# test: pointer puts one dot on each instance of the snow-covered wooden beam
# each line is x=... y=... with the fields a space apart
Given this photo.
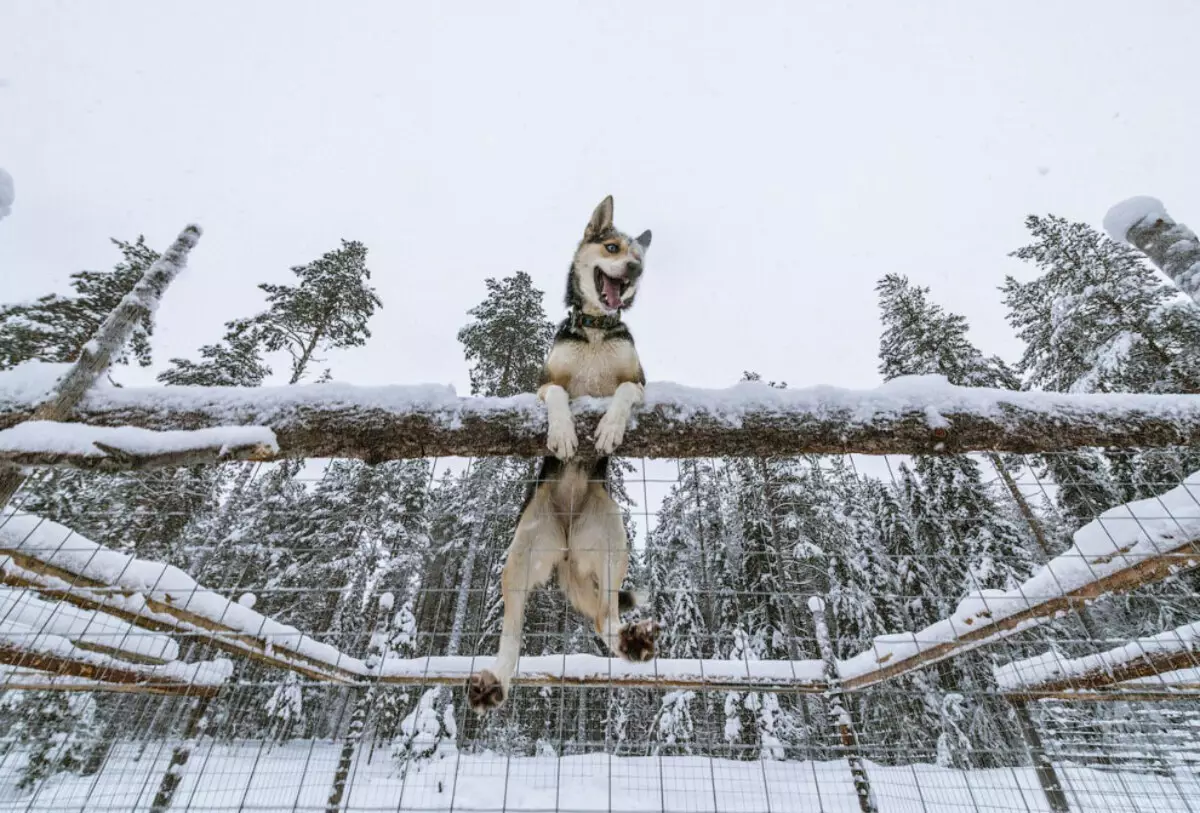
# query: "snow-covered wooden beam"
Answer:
x=591 y=670
x=57 y=655
x=126 y=448
x=32 y=680
x=1124 y=548
x=60 y=565
x=1156 y=655
x=915 y=415
x=21 y=610
x=1173 y=247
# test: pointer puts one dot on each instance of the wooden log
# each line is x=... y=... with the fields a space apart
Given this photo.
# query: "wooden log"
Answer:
x=106 y=672
x=59 y=584
x=1179 y=558
x=110 y=337
x=115 y=459
x=386 y=423
x=32 y=680
x=1170 y=245
x=1107 y=669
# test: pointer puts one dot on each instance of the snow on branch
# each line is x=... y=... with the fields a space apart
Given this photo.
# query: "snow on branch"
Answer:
x=123 y=448
x=61 y=565
x=1125 y=547
x=22 y=610
x=1157 y=655
x=913 y=415
x=1144 y=223
x=592 y=670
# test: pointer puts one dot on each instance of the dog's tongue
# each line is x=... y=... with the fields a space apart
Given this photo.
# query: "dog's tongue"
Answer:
x=612 y=292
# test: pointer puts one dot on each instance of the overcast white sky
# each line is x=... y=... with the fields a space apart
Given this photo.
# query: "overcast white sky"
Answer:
x=785 y=156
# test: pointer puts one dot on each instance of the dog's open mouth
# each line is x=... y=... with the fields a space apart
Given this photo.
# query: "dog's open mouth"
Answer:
x=610 y=289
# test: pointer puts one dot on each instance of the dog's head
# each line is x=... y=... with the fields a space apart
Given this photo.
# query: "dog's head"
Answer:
x=608 y=265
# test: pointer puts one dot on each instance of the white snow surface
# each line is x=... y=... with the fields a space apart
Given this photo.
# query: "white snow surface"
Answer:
x=1053 y=666
x=1118 y=539
x=593 y=667
x=22 y=610
x=1128 y=213
x=55 y=544
x=298 y=775
x=7 y=193
x=276 y=407
x=52 y=437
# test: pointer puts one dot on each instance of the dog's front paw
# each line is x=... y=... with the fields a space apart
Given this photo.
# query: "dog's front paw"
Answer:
x=610 y=432
x=561 y=439
x=635 y=642
x=484 y=692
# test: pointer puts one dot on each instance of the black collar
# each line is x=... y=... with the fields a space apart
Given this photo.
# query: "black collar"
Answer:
x=579 y=319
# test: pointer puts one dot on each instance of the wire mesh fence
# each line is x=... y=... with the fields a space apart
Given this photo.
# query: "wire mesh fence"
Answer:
x=297 y=636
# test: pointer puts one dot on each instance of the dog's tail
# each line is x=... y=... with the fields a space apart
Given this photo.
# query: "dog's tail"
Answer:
x=628 y=599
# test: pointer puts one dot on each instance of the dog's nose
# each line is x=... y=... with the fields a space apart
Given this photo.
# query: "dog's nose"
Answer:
x=633 y=268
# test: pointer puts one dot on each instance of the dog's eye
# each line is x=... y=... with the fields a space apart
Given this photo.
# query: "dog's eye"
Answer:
x=611 y=248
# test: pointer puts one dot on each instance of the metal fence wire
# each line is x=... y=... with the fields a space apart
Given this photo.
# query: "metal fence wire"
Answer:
x=975 y=632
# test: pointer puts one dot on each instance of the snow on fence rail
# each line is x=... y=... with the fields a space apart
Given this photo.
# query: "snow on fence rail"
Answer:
x=59 y=564
x=1125 y=547
x=31 y=649
x=122 y=448
x=913 y=415
x=1157 y=655
x=592 y=670
x=86 y=629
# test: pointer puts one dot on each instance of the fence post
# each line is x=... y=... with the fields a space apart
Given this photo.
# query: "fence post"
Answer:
x=362 y=704
x=197 y=724
x=837 y=710
x=97 y=354
x=1042 y=765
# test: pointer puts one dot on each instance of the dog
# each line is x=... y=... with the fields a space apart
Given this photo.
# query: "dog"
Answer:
x=570 y=524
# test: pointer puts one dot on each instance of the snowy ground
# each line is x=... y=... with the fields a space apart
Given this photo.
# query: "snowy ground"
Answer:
x=297 y=777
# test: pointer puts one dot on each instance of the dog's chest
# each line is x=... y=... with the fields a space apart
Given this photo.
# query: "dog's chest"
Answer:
x=595 y=367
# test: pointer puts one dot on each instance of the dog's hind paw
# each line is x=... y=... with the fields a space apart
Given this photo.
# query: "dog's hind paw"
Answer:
x=484 y=692
x=635 y=642
x=561 y=440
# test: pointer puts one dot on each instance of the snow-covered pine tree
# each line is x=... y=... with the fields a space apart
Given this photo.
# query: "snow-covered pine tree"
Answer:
x=1100 y=319
x=55 y=327
x=57 y=731
x=474 y=514
x=327 y=309
x=969 y=541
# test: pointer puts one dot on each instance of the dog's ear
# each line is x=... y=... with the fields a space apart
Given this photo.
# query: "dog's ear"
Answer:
x=643 y=239
x=602 y=220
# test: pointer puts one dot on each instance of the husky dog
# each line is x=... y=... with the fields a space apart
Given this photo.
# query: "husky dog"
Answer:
x=569 y=523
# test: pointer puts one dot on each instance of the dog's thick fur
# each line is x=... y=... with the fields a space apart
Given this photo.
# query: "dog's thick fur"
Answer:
x=570 y=524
